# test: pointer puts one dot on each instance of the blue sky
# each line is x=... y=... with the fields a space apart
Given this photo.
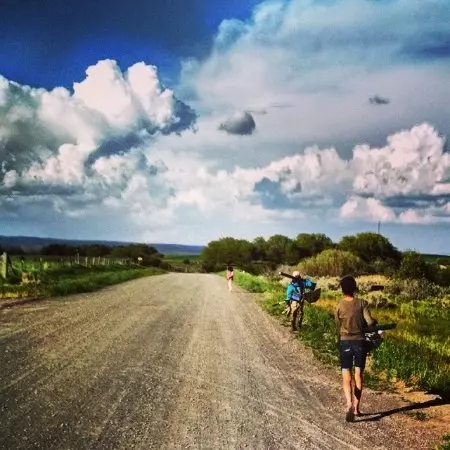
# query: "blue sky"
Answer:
x=187 y=120
x=49 y=43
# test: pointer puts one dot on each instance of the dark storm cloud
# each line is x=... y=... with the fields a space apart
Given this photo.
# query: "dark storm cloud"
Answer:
x=241 y=123
x=416 y=201
x=378 y=100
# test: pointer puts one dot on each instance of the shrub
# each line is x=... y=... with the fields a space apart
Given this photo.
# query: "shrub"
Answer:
x=443 y=261
x=414 y=290
x=208 y=266
x=441 y=276
x=413 y=266
x=251 y=283
x=335 y=263
x=386 y=267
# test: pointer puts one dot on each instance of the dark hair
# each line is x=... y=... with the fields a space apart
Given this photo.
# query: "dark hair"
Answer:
x=230 y=268
x=348 y=285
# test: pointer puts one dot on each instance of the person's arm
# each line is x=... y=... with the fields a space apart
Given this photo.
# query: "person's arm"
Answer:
x=367 y=315
x=337 y=323
x=288 y=292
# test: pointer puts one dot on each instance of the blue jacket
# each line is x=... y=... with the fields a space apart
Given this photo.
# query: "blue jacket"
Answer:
x=296 y=288
x=294 y=291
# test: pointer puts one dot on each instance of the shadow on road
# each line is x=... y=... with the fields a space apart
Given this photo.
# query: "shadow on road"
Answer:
x=379 y=415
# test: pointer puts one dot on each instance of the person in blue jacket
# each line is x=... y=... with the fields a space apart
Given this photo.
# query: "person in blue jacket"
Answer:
x=295 y=298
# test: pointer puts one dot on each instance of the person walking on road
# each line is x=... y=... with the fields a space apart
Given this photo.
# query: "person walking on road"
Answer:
x=352 y=315
x=230 y=277
x=295 y=301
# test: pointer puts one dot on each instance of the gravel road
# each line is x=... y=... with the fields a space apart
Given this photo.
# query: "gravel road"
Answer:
x=174 y=362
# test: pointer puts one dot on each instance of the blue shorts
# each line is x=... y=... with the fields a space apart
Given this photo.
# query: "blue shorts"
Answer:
x=353 y=353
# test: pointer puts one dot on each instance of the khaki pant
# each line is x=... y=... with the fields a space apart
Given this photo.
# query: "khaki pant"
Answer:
x=297 y=314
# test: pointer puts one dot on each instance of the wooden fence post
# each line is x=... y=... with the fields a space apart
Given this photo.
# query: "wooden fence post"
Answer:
x=4 y=265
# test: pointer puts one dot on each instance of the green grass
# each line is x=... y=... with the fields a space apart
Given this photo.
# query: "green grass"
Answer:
x=181 y=257
x=445 y=443
x=318 y=325
x=418 y=352
x=66 y=280
x=91 y=280
x=184 y=263
x=256 y=284
x=37 y=263
x=417 y=415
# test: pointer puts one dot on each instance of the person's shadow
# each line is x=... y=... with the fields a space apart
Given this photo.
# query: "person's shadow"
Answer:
x=379 y=415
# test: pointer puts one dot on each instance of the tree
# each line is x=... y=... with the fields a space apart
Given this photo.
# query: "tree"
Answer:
x=259 y=245
x=58 y=250
x=293 y=254
x=15 y=250
x=225 y=251
x=278 y=247
x=370 y=247
x=332 y=262
x=413 y=266
x=313 y=243
x=94 y=250
x=149 y=254
x=441 y=276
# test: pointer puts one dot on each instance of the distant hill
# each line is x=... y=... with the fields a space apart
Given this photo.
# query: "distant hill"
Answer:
x=433 y=258
x=34 y=244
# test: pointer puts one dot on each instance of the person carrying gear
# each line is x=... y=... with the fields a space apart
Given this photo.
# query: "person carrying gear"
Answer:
x=294 y=299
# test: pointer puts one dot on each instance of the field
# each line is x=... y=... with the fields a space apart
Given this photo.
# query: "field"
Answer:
x=38 y=276
x=417 y=353
x=184 y=263
x=434 y=258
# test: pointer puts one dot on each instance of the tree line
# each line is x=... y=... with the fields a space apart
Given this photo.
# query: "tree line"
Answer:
x=147 y=255
x=279 y=249
x=317 y=255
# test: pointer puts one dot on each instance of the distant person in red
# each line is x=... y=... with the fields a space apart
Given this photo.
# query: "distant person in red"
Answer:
x=230 y=277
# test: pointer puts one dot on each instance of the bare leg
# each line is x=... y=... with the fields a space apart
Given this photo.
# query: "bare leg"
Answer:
x=230 y=285
x=347 y=385
x=359 y=381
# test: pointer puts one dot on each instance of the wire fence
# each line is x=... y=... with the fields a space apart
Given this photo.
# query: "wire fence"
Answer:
x=23 y=265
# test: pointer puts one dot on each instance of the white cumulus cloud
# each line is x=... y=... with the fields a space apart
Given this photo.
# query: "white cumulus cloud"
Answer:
x=325 y=59
x=119 y=152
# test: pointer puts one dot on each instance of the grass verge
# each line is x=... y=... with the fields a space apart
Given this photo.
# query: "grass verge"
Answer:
x=445 y=443
x=416 y=354
x=78 y=279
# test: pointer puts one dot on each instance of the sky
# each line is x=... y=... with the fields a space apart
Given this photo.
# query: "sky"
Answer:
x=186 y=121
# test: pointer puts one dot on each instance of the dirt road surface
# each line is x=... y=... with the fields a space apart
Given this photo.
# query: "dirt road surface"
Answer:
x=175 y=362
